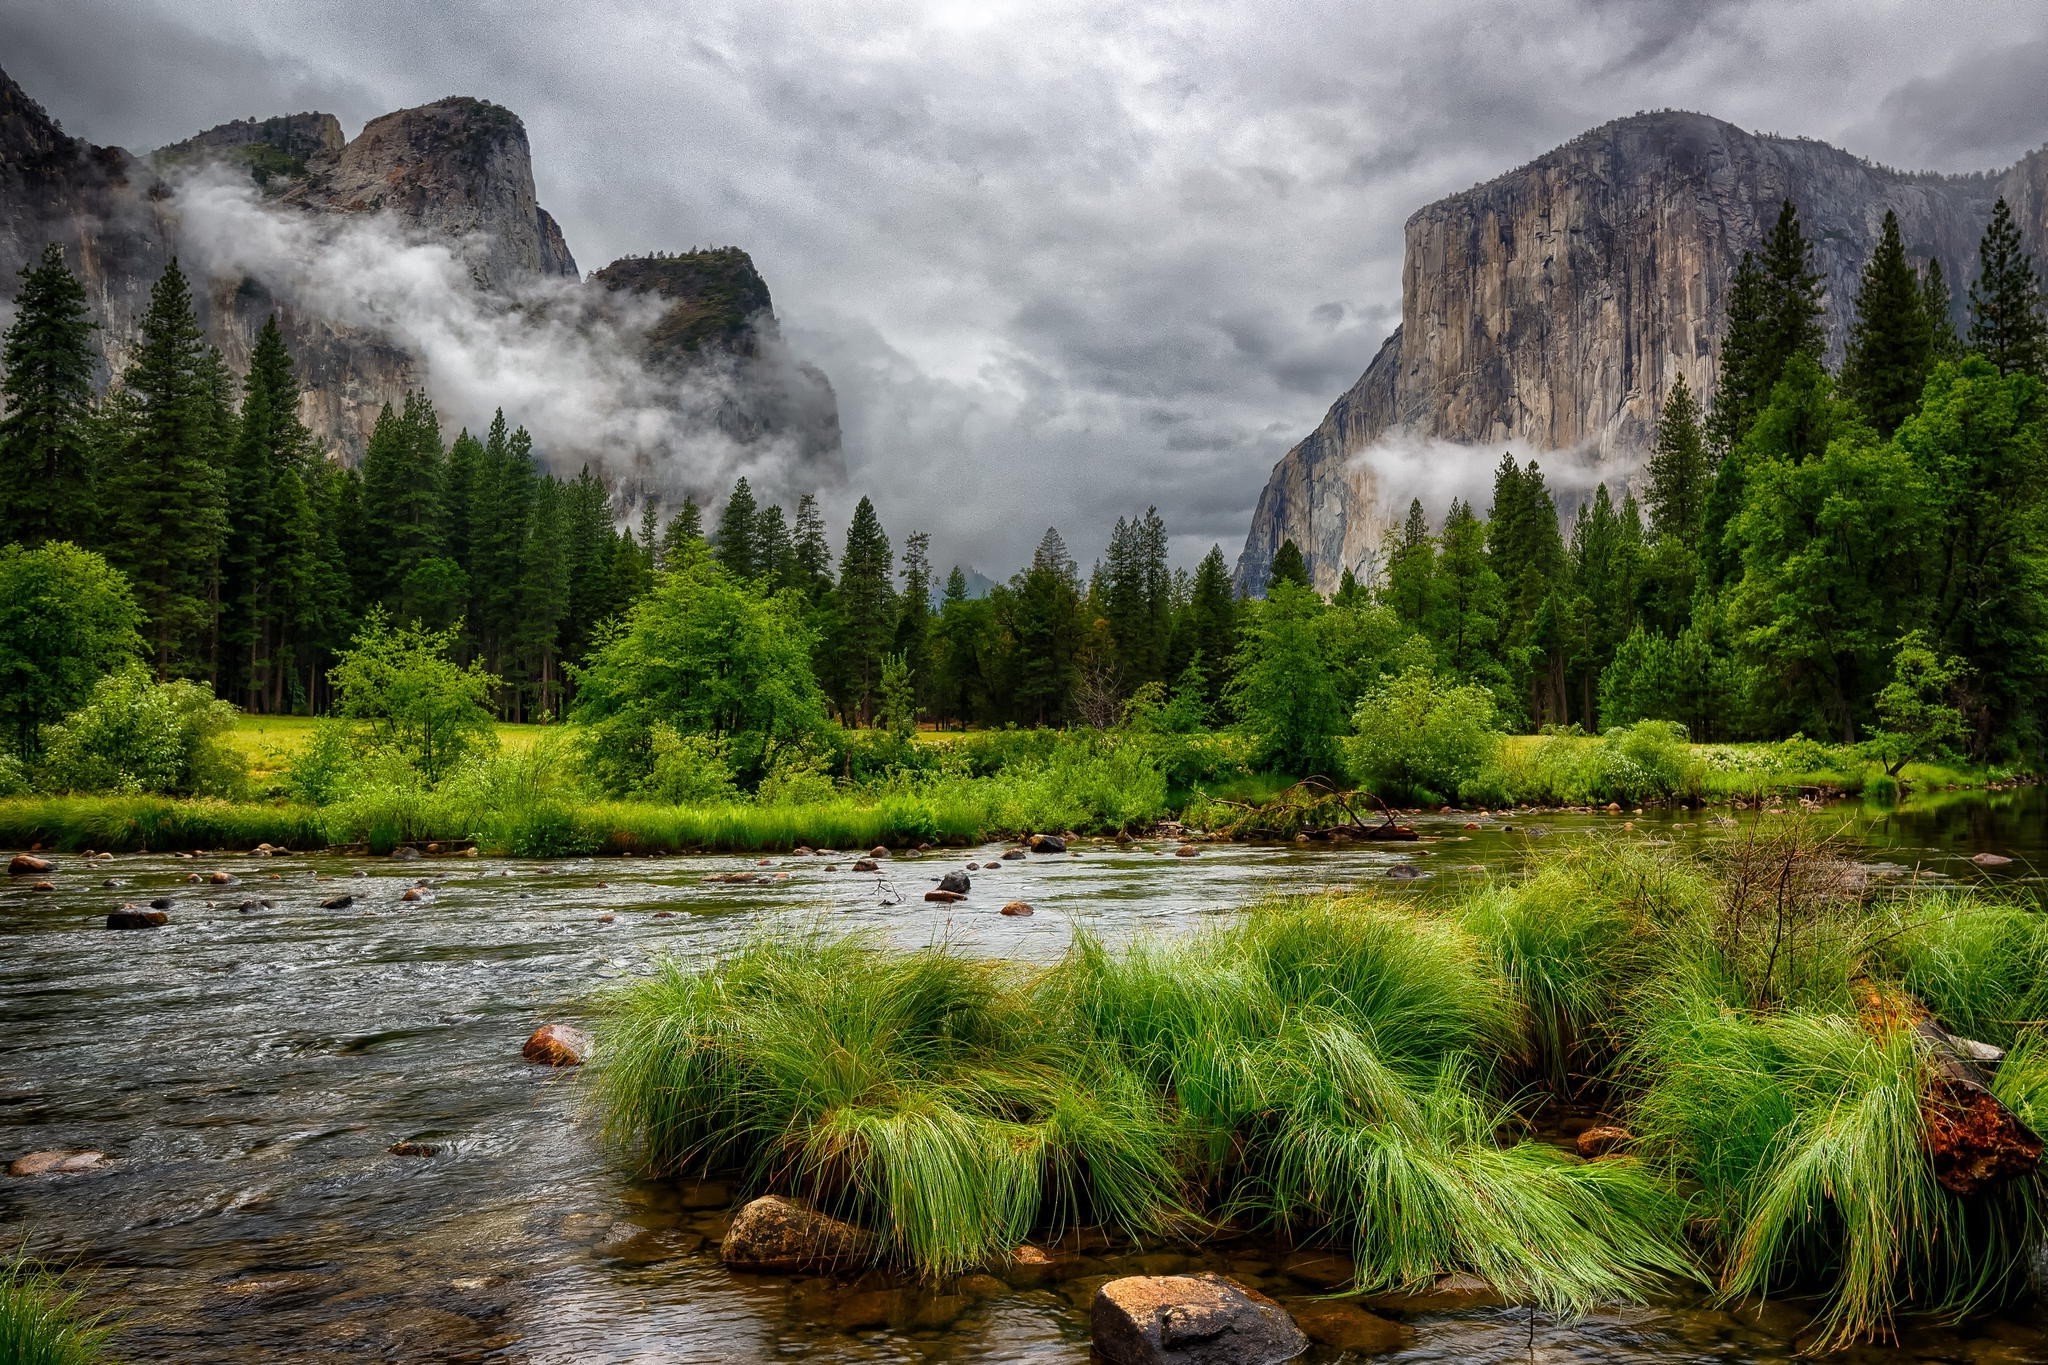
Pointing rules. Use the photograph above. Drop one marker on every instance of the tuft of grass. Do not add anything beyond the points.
(43, 1324)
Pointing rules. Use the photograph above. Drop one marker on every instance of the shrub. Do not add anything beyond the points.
(135, 735)
(687, 769)
(418, 702)
(319, 774)
(1423, 738)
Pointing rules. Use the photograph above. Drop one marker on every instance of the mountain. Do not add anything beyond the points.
(1553, 307)
(418, 244)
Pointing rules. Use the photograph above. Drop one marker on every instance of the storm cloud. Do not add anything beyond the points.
(1060, 260)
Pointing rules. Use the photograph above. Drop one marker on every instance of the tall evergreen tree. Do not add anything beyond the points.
(1211, 623)
(1046, 619)
(1939, 309)
(168, 491)
(1411, 568)
(1680, 470)
(1775, 308)
(1289, 566)
(266, 564)
(867, 607)
(685, 531)
(813, 554)
(45, 407)
(738, 524)
(914, 614)
(1467, 605)
(1890, 342)
(775, 558)
(2006, 326)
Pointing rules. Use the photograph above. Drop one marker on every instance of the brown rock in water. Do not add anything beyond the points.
(1030, 1265)
(1017, 909)
(56, 1163)
(956, 882)
(1013, 855)
(1990, 860)
(1322, 1269)
(866, 865)
(413, 893)
(337, 902)
(1347, 1327)
(1187, 851)
(135, 917)
(222, 878)
(28, 865)
(44, 886)
(1600, 1140)
(1046, 843)
(1190, 1320)
(557, 1045)
(944, 897)
(878, 852)
(414, 1149)
(778, 1236)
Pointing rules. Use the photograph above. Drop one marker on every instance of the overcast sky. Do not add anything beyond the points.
(1060, 260)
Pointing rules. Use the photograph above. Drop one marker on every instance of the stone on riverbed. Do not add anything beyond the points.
(337, 902)
(1347, 1327)
(28, 865)
(1990, 860)
(56, 1163)
(1013, 855)
(1187, 851)
(1047, 843)
(557, 1045)
(778, 1236)
(956, 881)
(1017, 909)
(944, 897)
(135, 917)
(866, 865)
(1190, 1320)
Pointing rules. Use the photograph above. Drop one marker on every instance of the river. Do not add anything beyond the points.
(247, 1070)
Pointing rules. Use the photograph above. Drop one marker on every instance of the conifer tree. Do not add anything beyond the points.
(1212, 613)
(775, 560)
(46, 366)
(1939, 310)
(1289, 566)
(1774, 313)
(1046, 619)
(2006, 326)
(1890, 342)
(502, 494)
(1411, 568)
(266, 564)
(914, 615)
(737, 526)
(684, 532)
(812, 553)
(1467, 605)
(168, 491)
(1679, 472)
(867, 607)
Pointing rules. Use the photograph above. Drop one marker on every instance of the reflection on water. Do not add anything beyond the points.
(249, 1067)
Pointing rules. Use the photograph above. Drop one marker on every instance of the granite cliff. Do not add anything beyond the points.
(1553, 307)
(454, 177)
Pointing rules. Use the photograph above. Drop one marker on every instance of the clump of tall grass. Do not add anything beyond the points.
(1978, 963)
(1648, 761)
(41, 1323)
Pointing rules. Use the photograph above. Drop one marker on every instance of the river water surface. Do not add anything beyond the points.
(248, 1069)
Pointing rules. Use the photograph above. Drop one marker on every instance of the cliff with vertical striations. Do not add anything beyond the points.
(1554, 306)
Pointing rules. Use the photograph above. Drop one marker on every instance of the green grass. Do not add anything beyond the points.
(43, 1324)
(269, 743)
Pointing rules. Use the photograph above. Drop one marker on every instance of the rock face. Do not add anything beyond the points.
(1190, 1320)
(458, 173)
(1554, 306)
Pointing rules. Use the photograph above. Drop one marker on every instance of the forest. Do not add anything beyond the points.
(1853, 556)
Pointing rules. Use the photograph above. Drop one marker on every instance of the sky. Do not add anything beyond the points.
(1061, 261)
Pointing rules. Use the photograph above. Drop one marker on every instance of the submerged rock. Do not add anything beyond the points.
(1990, 860)
(778, 1236)
(956, 881)
(866, 865)
(557, 1045)
(56, 1163)
(1187, 851)
(414, 1149)
(1190, 1320)
(878, 852)
(28, 865)
(135, 917)
(944, 897)
(1012, 855)
(1017, 909)
(1347, 1327)
(337, 902)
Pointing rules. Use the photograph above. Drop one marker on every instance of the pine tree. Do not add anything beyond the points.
(266, 562)
(1679, 472)
(1467, 605)
(737, 524)
(1736, 384)
(502, 495)
(775, 560)
(1774, 313)
(543, 602)
(813, 554)
(46, 398)
(2006, 326)
(1046, 620)
(1288, 566)
(1411, 567)
(1890, 343)
(685, 532)
(1212, 615)
(914, 615)
(867, 607)
(1939, 310)
(168, 492)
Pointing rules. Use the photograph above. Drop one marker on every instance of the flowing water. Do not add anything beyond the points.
(248, 1067)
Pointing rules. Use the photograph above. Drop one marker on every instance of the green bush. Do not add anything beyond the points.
(687, 769)
(1420, 737)
(320, 773)
(135, 735)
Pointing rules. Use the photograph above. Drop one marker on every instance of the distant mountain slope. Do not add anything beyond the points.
(1554, 306)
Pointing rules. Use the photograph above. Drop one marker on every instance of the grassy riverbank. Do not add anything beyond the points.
(42, 1323)
(1363, 1073)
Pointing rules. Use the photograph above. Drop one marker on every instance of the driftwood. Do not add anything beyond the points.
(1973, 1140)
(1309, 798)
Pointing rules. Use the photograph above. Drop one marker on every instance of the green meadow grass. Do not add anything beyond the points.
(41, 1323)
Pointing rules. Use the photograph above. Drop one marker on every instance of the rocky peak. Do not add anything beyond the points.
(458, 168)
(1552, 307)
(715, 299)
(275, 150)
(28, 135)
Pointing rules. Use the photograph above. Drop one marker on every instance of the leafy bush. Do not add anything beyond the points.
(418, 702)
(687, 769)
(319, 774)
(13, 775)
(136, 735)
(796, 778)
(1421, 737)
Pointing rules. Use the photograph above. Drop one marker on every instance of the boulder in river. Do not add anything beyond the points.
(1990, 860)
(337, 902)
(136, 917)
(1347, 1327)
(878, 852)
(222, 878)
(557, 1045)
(1017, 909)
(1047, 843)
(1013, 855)
(778, 1236)
(1601, 1140)
(1190, 1320)
(56, 1163)
(1187, 851)
(866, 865)
(414, 1149)
(944, 897)
(956, 881)
(29, 865)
